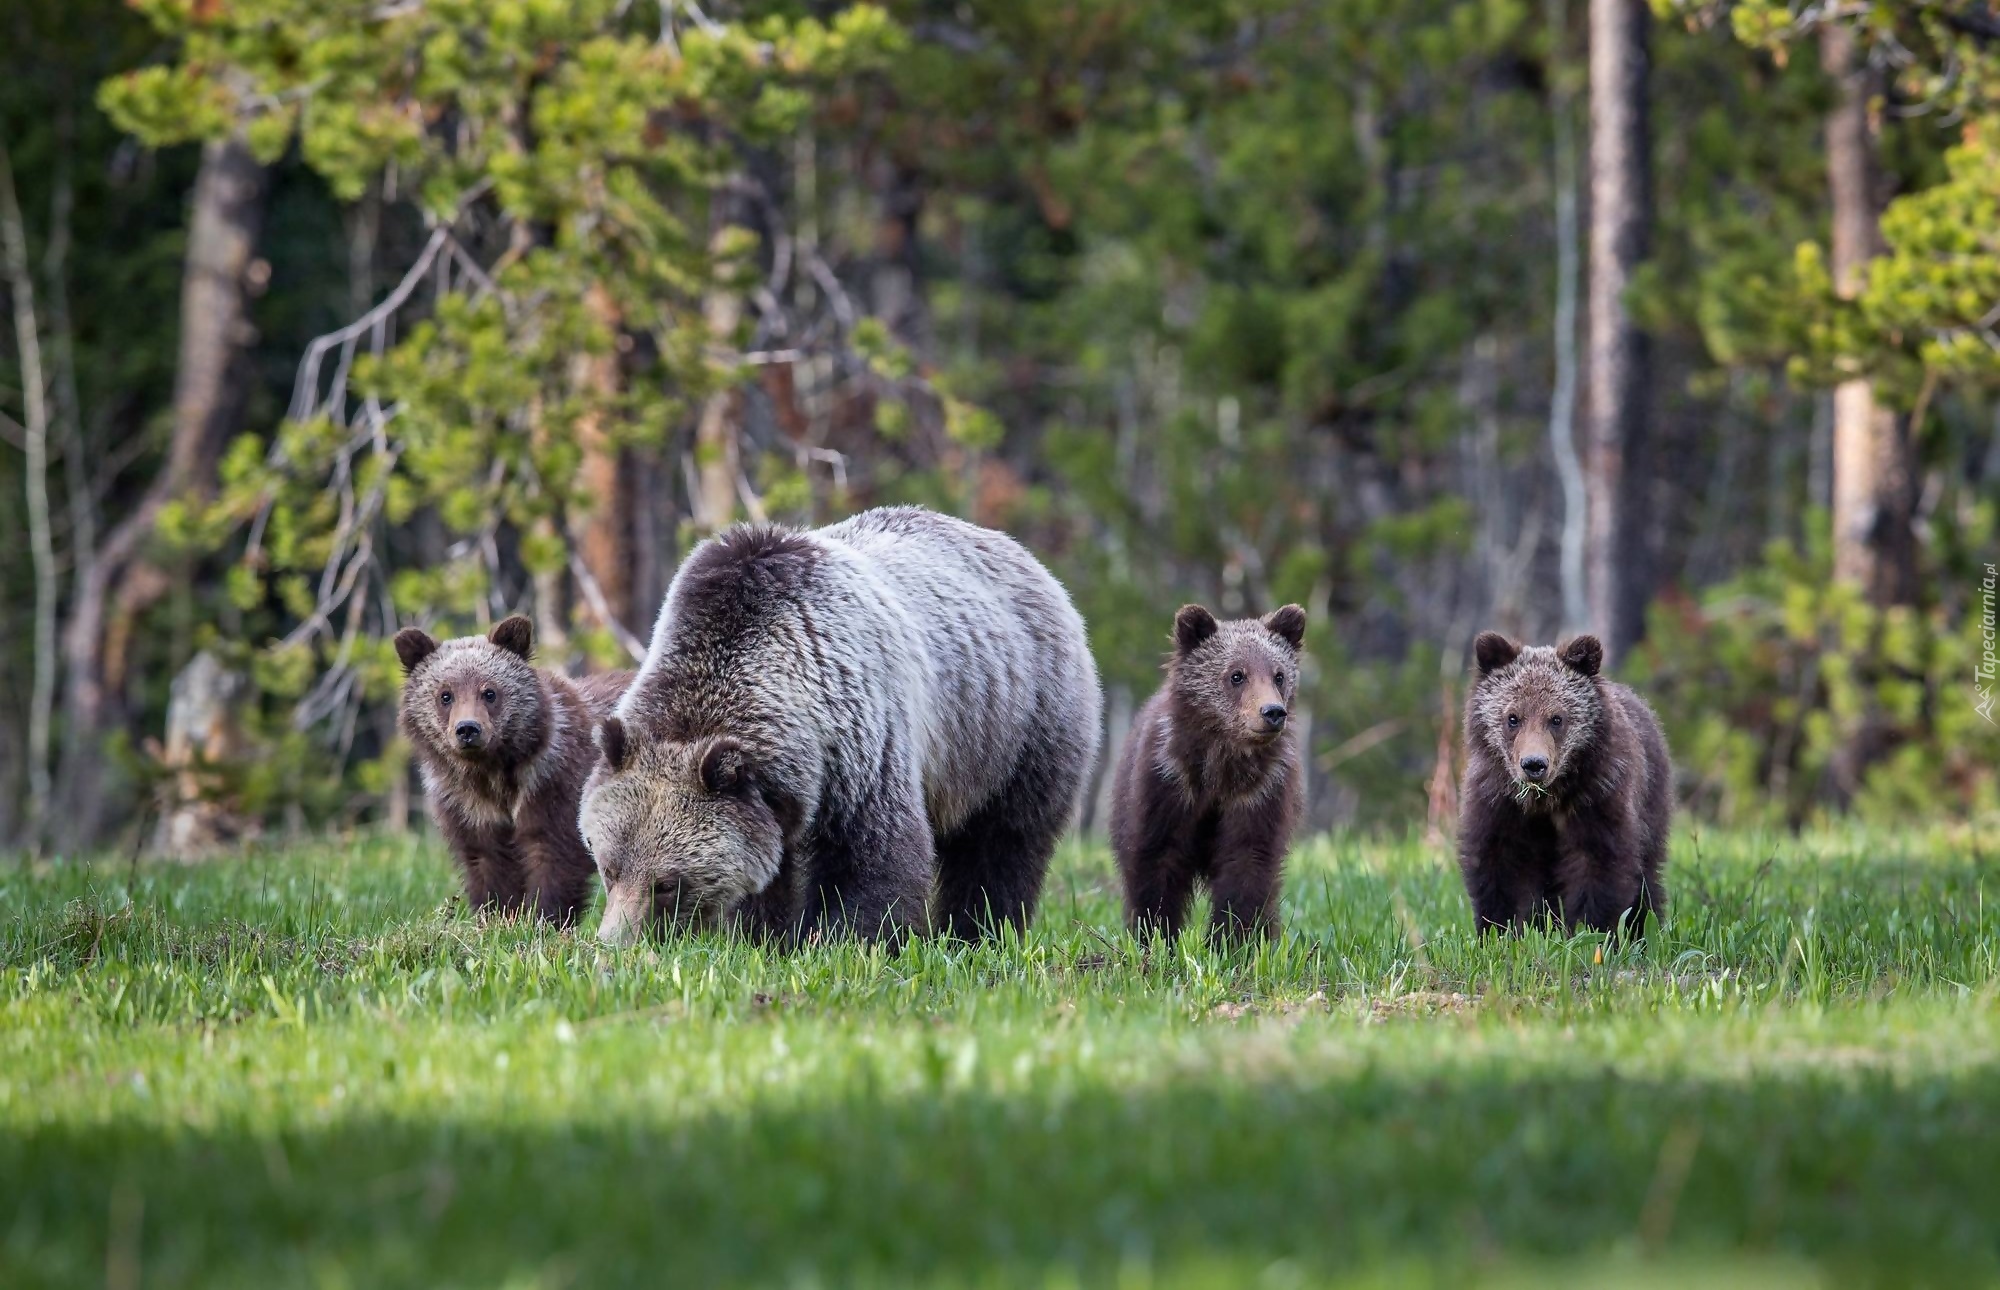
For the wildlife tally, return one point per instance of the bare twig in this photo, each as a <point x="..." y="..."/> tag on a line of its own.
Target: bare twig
<point x="837" y="460"/>
<point x="594" y="594"/>
<point x="836" y="295"/>
<point x="350" y="561"/>
<point x="1360" y="743"/>
<point x="305" y="392"/>
<point x="753" y="505"/>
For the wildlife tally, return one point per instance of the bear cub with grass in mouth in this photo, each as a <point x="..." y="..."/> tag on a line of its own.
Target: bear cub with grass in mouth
<point x="1567" y="794"/>
<point x="1207" y="786"/>
<point x="504" y="748"/>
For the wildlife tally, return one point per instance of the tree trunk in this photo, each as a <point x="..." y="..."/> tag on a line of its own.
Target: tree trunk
<point x="1616" y="393"/>
<point x="223" y="223"/>
<point x="1874" y="546"/>
<point x="1441" y="798"/>
<point x="1562" y="398"/>
<point x="603" y="535"/>
<point x="34" y="397"/>
<point x="654" y="526"/>
<point x="67" y="406"/>
<point x="204" y="741"/>
<point x="716" y="451"/>
<point x="1119" y="710"/>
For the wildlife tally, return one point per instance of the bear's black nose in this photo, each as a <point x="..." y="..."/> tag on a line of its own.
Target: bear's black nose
<point x="1534" y="766"/>
<point x="470" y="734"/>
<point x="1274" y="716"/>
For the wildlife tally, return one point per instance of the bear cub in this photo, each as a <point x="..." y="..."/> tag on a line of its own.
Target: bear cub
<point x="504" y="748"/>
<point x="1208" y="786"/>
<point x="1567" y="794"/>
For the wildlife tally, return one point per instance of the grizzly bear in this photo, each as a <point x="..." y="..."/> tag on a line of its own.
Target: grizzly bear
<point x="834" y="728"/>
<point x="1208" y="787"/>
<point x="1567" y="793"/>
<point x="504" y="748"/>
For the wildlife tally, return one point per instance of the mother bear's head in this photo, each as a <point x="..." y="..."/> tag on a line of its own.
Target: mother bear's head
<point x="683" y="832"/>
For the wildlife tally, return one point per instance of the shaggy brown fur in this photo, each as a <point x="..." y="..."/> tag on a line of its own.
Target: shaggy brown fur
<point x="1207" y="786"/>
<point x="504" y="749"/>
<point x="1568" y="792"/>
<point x="872" y="729"/>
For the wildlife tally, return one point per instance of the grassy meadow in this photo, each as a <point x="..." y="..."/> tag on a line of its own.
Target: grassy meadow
<point x="307" y="1067"/>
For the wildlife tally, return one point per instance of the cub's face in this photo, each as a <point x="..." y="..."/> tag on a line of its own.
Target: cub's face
<point x="1537" y="706"/>
<point x="474" y="698"/>
<point x="681" y="832"/>
<point x="1238" y="679"/>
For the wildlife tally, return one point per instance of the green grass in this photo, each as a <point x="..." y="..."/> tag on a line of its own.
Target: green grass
<point x="306" y="1067"/>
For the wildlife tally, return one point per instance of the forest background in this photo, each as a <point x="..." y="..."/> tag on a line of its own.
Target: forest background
<point x="1679" y="323"/>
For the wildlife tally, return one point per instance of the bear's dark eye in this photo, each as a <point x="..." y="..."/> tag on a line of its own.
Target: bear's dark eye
<point x="1512" y="721"/>
<point x="489" y="696"/>
<point x="1236" y="678"/>
<point x="1556" y="722"/>
<point x="1279" y="677"/>
<point x="444" y="699"/>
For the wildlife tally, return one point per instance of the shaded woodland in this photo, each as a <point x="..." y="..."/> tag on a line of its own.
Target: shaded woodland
<point x="1679" y="323"/>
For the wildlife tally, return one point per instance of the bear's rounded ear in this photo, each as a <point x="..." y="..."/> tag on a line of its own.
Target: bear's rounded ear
<point x="1585" y="654"/>
<point x="724" y="765"/>
<point x="1192" y="626"/>
<point x="611" y="742"/>
<point x="1288" y="624"/>
<point x="516" y="635"/>
<point x="413" y="646"/>
<point x="1493" y="651"/>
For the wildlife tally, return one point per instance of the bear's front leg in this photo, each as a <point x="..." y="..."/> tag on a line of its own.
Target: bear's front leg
<point x="556" y="873"/>
<point x="492" y="880"/>
<point x="1159" y="887"/>
<point x="776" y="914"/>
<point x="1158" y="859"/>
<point x="1504" y="858"/>
<point x="1248" y="870"/>
<point x="1597" y="876"/>
<point x="871" y="866"/>
<point x="502" y="877"/>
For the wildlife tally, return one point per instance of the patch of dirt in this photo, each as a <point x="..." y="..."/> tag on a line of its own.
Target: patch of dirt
<point x="1421" y="1003"/>
<point x="1283" y="1009"/>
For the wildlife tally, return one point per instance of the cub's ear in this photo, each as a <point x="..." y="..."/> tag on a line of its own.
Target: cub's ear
<point x="413" y="646"/>
<point x="611" y="742"/>
<point x="724" y="765"/>
<point x="1493" y="651"/>
<point x="1585" y="654"/>
<point x="1192" y="626"/>
<point x="1288" y="624"/>
<point x="516" y="635"/>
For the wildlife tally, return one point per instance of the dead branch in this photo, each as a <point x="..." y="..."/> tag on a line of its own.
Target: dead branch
<point x="594" y="595"/>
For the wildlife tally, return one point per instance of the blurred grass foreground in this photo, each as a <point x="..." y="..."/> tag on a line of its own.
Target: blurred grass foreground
<point x="310" y="1068"/>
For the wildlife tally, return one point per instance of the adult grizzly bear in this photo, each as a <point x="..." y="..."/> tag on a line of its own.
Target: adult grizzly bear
<point x="1207" y="786"/>
<point x="504" y="748"/>
<point x="832" y="727"/>
<point x="1567" y="794"/>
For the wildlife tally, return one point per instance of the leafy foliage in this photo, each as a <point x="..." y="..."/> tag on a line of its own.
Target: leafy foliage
<point x="574" y="170"/>
<point x="1782" y="689"/>
<point x="1240" y="301"/>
